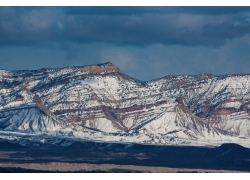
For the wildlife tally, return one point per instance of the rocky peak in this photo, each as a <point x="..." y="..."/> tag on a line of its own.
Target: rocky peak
<point x="100" y="68"/>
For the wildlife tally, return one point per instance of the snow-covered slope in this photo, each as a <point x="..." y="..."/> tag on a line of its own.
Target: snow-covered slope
<point x="99" y="102"/>
<point x="29" y="119"/>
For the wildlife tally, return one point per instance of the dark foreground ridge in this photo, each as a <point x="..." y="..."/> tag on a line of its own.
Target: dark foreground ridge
<point x="226" y="157"/>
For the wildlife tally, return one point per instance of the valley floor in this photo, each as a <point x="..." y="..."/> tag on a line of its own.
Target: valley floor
<point x="55" y="167"/>
<point x="85" y="156"/>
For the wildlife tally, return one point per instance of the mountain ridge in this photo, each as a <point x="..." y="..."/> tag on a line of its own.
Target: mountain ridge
<point x="102" y="103"/>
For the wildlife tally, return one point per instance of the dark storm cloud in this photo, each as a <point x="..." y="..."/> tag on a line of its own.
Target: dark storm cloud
<point x="123" y="25"/>
<point x="182" y="29"/>
<point x="138" y="10"/>
<point x="26" y="25"/>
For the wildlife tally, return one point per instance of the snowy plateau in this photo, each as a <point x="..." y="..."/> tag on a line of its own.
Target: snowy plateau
<point x="100" y="103"/>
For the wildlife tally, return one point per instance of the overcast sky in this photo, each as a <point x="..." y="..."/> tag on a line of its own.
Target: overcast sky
<point x="144" y="42"/>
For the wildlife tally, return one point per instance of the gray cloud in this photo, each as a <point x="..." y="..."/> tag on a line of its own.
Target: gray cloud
<point x="139" y="10"/>
<point x="144" y="42"/>
<point x="130" y="26"/>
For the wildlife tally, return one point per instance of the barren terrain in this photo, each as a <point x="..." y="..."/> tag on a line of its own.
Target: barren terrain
<point x="107" y="157"/>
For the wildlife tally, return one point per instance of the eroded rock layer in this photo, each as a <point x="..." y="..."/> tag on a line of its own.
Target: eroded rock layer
<point x="102" y="103"/>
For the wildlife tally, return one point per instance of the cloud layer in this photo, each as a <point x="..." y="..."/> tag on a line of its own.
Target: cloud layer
<point x="146" y="42"/>
<point x="188" y="26"/>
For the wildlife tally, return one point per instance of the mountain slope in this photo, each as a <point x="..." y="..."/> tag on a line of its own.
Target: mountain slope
<point x="99" y="102"/>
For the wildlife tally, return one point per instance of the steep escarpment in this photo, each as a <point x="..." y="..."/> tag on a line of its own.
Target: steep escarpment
<point x="101" y="103"/>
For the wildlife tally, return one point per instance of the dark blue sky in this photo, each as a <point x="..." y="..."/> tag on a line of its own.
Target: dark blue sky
<point x="144" y="42"/>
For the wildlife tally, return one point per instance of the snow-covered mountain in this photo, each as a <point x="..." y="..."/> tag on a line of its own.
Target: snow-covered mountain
<point x="99" y="102"/>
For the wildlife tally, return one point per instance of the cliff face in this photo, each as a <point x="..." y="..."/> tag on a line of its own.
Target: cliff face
<point x="103" y="68"/>
<point x="102" y="103"/>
